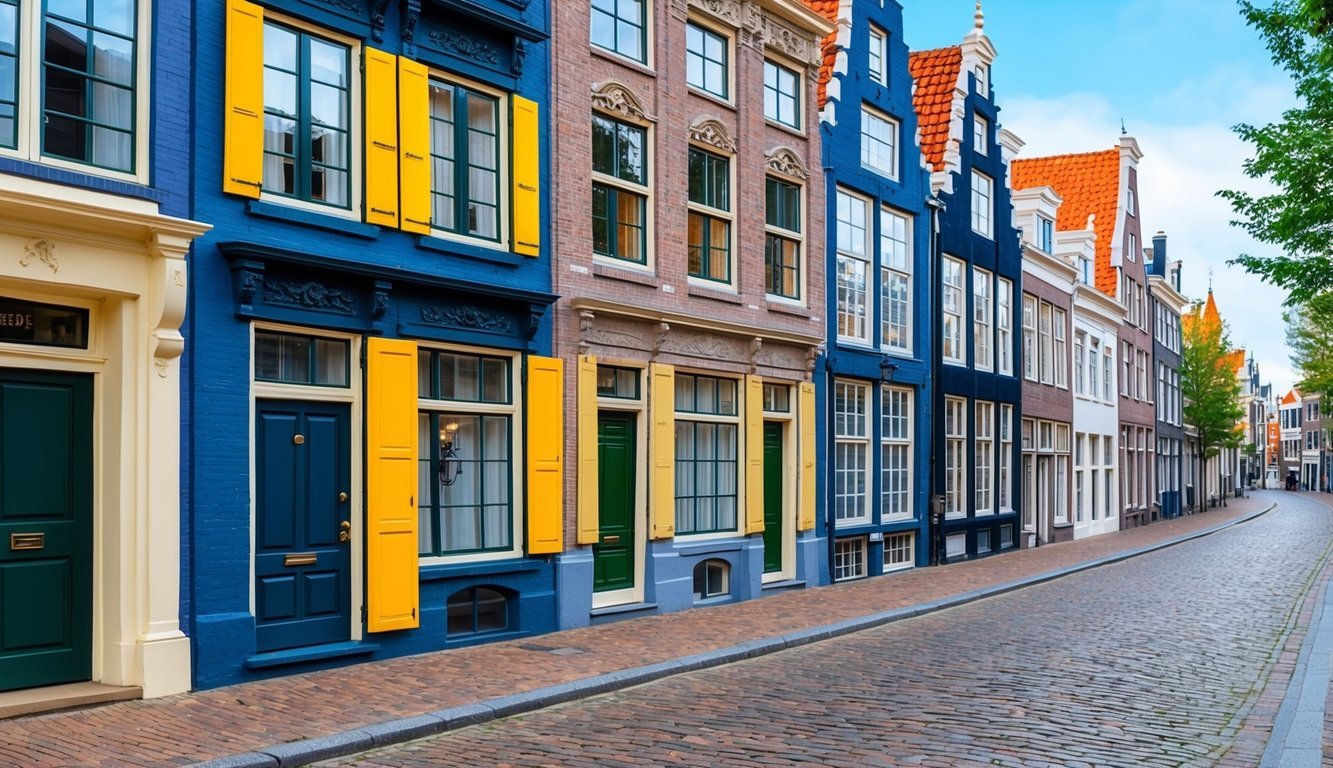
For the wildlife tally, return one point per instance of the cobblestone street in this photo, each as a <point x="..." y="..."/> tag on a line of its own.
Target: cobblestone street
<point x="1157" y="660"/>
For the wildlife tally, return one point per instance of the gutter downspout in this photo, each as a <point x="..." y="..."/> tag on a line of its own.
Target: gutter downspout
<point x="935" y="501"/>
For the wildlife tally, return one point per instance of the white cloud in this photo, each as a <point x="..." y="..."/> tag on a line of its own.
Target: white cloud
<point x="1182" y="169"/>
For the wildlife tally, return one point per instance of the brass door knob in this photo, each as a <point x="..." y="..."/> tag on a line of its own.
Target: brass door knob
<point x="342" y="496"/>
<point x="345" y="534"/>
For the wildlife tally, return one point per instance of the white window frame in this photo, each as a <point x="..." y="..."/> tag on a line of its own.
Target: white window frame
<point x="892" y="270"/>
<point x="1045" y="234"/>
<point x="899" y="551"/>
<point x="1004" y="321"/>
<point x="1004" y="487"/>
<point x="1029" y="337"/>
<point x="980" y="134"/>
<point x="981" y="75"/>
<point x="874" y="146"/>
<point x="851" y="437"/>
<point x="878" y="48"/>
<point x="849" y="558"/>
<point x="1058" y="318"/>
<point x="983" y="204"/>
<point x="1046" y="344"/>
<point x="952" y="335"/>
<point x="955" y="457"/>
<point x="983" y="471"/>
<point x="1080" y="372"/>
<point x="853" y="256"/>
<point x="896" y="430"/>
<point x="983" y="318"/>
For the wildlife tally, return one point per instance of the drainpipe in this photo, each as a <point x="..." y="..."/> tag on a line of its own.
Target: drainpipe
<point x="935" y="507"/>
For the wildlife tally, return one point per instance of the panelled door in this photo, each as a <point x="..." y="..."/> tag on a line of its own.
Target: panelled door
<point x="773" y="463"/>
<point x="46" y="528"/>
<point x="303" y="523"/>
<point x="613" y="554"/>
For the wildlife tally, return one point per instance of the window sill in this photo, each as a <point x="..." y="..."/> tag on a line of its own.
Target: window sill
<point x="626" y="274"/>
<point x="615" y="610"/>
<point x="622" y="60"/>
<point x="470" y="251"/>
<point x="791" y="129"/>
<point x="789" y="309"/>
<point x="708" y="548"/>
<point x="721" y="101"/>
<point x="704" y="292"/>
<point x="291" y="214"/>
<point x="445" y="571"/>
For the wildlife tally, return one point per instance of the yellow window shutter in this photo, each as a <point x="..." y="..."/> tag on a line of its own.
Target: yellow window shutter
<point x="589" y="489"/>
<point x="662" y="451"/>
<point x="392" y="580"/>
<point x="527" y="200"/>
<point x="243" y="140"/>
<point x="754" y="454"/>
<point x="546" y="450"/>
<point x="414" y="146"/>
<point x="806" y="415"/>
<point x="381" y="119"/>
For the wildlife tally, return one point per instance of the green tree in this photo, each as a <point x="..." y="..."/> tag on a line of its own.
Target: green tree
<point x="1310" y="339"/>
<point x="1294" y="155"/>
<point x="1211" y="391"/>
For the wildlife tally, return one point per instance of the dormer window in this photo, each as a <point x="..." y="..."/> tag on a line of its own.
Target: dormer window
<point x="1045" y="234"/>
<point x="981" y="74"/>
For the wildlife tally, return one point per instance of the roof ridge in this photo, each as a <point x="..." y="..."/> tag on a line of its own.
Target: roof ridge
<point x="1092" y="153"/>
<point x="941" y="49"/>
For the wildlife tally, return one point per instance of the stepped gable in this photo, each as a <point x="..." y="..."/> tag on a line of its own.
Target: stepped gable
<point x="1090" y="184"/>
<point x="935" y="74"/>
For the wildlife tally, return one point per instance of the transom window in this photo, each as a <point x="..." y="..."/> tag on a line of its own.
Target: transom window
<point x="782" y="94"/>
<point x="895" y="469"/>
<point x="307" y="116"/>
<point x="707" y="463"/>
<point x="851" y="433"/>
<point x="895" y="253"/>
<point x="709" y="219"/>
<point x="465" y="161"/>
<point x="706" y="60"/>
<point x="952" y="308"/>
<point x="621" y="26"/>
<point x="465" y="465"/>
<point x="879" y="142"/>
<point x="291" y="358"/>
<point x="618" y="382"/>
<point x="85" y="81"/>
<point x="782" y="244"/>
<point x="777" y="398"/>
<point x="878" y="56"/>
<point x="619" y="190"/>
<point x="983" y="196"/>
<point x="853" y="245"/>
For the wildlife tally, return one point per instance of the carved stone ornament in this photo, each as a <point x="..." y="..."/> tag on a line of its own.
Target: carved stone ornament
<point x="380" y="300"/>
<point x="785" y="161"/>
<point x="791" y="41"/>
<point x="250" y="284"/>
<point x="726" y="10"/>
<point x="467" y="47"/>
<point x="708" y="347"/>
<point x="520" y="51"/>
<point x="708" y="130"/>
<point x="467" y="317"/>
<point x="377" y="19"/>
<point x="617" y="98"/>
<point x="310" y="294"/>
<point x="42" y="250"/>
<point x="783" y="357"/>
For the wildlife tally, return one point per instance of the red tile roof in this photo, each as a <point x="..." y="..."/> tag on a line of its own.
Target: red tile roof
<point x="1089" y="184"/>
<point x="829" y="10"/>
<point x="935" y="73"/>
<point x="1290" y="397"/>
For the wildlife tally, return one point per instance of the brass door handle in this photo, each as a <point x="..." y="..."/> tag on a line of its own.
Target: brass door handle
<point x="345" y="532"/>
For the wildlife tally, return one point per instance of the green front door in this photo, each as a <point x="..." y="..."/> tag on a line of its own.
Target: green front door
<point x="772" y="496"/>
<point x="46" y="528"/>
<point x="613" y="554"/>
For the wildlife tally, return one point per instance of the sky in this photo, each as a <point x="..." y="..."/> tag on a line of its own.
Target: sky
<point x="1179" y="74"/>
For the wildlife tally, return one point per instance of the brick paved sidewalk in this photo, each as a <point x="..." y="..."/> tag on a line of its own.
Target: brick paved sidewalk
<point x="179" y="730"/>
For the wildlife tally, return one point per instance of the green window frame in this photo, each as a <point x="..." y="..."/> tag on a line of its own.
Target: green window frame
<point x="706" y="60"/>
<point x="709" y="230"/>
<point x="615" y="381"/>
<point x="89" y="58"/>
<point x="466" y="482"/>
<point x="782" y="244"/>
<point x="464" y="378"/>
<point x="293" y="358"/>
<point x="465" y="161"/>
<point x="621" y="26"/>
<point x="782" y="94"/>
<point x="307" y="117"/>
<point x="619" y="190"/>
<point x="11" y="47"/>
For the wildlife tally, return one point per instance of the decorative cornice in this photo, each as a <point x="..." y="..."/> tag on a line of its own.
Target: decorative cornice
<point x="464" y="316"/>
<point x="465" y="46"/>
<point x="785" y="161"/>
<point x="787" y="39"/>
<point x="310" y="294"/>
<point x="730" y="11"/>
<point x="617" y="98"/>
<point x="711" y="131"/>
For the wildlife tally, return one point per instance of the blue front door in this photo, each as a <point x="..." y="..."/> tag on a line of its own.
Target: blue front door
<point x="302" y="524"/>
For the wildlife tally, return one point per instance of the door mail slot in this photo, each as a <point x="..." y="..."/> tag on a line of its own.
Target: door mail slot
<point x="300" y="558"/>
<point x="611" y="539"/>
<point x="29" y="541"/>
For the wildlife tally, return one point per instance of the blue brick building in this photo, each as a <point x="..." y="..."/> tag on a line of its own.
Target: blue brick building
<point x="95" y="217"/>
<point x="875" y="392"/>
<point x="373" y="426"/>
<point x="978" y="397"/>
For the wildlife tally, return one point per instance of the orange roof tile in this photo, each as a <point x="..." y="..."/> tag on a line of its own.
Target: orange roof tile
<point x="1090" y="184"/>
<point x="935" y="73"/>
<point x="1236" y="359"/>
<point x="1290" y="398"/>
<point x="829" y="10"/>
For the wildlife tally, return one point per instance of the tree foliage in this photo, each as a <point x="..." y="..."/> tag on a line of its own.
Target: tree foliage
<point x="1295" y="154"/>
<point x="1209" y="387"/>
<point x="1310" y="339"/>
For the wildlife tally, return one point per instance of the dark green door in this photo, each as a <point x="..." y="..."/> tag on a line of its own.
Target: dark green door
<point x="613" y="554"/>
<point x="46" y="528"/>
<point x="302" y="524"/>
<point x="772" y="497"/>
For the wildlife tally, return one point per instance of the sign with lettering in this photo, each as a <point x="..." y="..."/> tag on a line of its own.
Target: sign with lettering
<point x="29" y="322"/>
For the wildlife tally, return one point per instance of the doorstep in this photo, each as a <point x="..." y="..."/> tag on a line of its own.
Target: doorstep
<point x="32" y="701"/>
